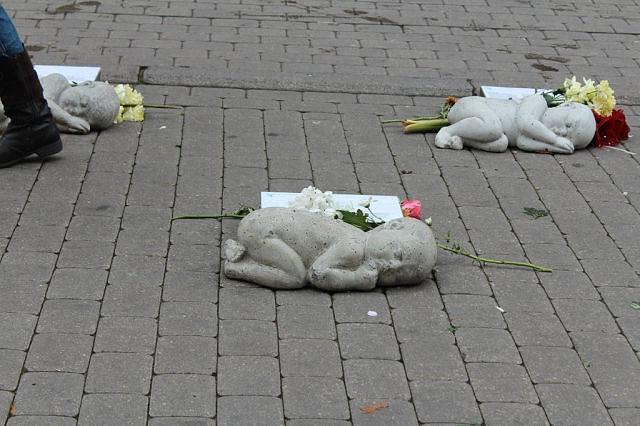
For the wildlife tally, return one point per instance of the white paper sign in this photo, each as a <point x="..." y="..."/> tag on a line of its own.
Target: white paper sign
<point x="385" y="207"/>
<point x="514" y="93"/>
<point x="74" y="74"/>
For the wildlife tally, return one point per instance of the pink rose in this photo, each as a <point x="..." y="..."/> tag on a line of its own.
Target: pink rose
<point x="411" y="208"/>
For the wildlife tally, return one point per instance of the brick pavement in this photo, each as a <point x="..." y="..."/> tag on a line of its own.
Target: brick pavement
<point x="111" y="314"/>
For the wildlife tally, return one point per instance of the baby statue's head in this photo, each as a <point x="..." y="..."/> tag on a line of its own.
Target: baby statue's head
<point x="402" y="250"/>
<point x="573" y="121"/>
<point x="95" y="101"/>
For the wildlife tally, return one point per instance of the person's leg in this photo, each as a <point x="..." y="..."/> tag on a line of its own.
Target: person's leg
<point x="32" y="129"/>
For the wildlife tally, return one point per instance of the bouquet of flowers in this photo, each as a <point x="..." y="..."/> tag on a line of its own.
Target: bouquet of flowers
<point x="611" y="124"/>
<point x="131" y="106"/>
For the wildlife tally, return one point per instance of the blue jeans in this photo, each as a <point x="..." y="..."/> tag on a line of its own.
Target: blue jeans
<point x="10" y="43"/>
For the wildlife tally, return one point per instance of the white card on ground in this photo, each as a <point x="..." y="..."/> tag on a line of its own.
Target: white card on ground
<point x="74" y="74"/>
<point x="386" y="207"/>
<point x="514" y="93"/>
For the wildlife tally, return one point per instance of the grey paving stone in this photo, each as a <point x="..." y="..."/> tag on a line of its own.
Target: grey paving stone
<point x="250" y="410"/>
<point x="487" y="345"/>
<point x="614" y="274"/>
<point x="499" y="413"/>
<point x="631" y="329"/>
<point x="16" y="330"/>
<point x="424" y="295"/>
<point x="496" y="382"/>
<point x="248" y="375"/>
<point x="457" y="279"/>
<point x="10" y="368"/>
<point x="310" y="358"/>
<point x="573" y="404"/>
<point x="21" y="297"/>
<point x="49" y="394"/>
<point x="188" y="395"/>
<point x="568" y="285"/>
<point x="522" y="297"/>
<point x="248" y="337"/>
<point x="620" y="391"/>
<point x="86" y="254"/>
<point x="314" y="398"/>
<point x="303" y="297"/>
<point x="445" y="402"/>
<point x="537" y="329"/>
<point x="113" y="409"/>
<point x="93" y="228"/>
<point x="624" y="416"/>
<point x="375" y="379"/>
<point x="376" y="341"/>
<point x="5" y="404"/>
<point x="188" y="319"/>
<point x="41" y="421"/>
<point x="473" y="311"/>
<point x="554" y="365"/>
<point x="247" y="303"/>
<point x="134" y="270"/>
<point x="298" y="321"/>
<point x="186" y="354"/>
<point x="131" y="300"/>
<point x="433" y="359"/>
<point x="355" y="307"/>
<point x="74" y="283"/>
<point x="59" y="352"/>
<point x="619" y="300"/>
<point x="317" y="422"/>
<point x="68" y="316"/>
<point x="123" y="373"/>
<point x="126" y="334"/>
<point x="181" y="421"/>
<point x="420" y="324"/>
<point x="190" y="287"/>
<point x="585" y="315"/>
<point x="394" y="412"/>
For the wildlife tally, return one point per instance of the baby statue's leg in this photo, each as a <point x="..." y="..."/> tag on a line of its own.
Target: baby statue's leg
<point x="274" y="265"/>
<point x="475" y="125"/>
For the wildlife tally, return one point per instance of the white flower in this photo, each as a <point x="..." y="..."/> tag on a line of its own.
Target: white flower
<point x="428" y="221"/>
<point x="366" y="203"/>
<point x="315" y="201"/>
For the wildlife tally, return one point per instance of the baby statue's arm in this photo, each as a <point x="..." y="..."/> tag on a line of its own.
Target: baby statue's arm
<point x="67" y="122"/>
<point x="342" y="267"/>
<point x="528" y="116"/>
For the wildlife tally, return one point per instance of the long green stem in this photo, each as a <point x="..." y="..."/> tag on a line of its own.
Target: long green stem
<point x="218" y="216"/>
<point x="463" y="252"/>
<point x="400" y="120"/>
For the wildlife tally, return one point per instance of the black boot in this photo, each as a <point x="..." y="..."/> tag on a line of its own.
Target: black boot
<point x="32" y="129"/>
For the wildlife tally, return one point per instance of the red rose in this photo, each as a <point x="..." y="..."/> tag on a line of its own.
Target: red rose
<point x="612" y="129"/>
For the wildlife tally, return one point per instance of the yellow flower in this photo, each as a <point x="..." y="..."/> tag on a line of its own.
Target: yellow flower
<point x="119" y="118"/>
<point x="127" y="95"/>
<point x="135" y="113"/>
<point x="603" y="103"/>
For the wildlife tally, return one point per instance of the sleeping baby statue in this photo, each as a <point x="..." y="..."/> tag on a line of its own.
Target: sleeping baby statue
<point x="78" y="108"/>
<point x="285" y="248"/>
<point x="495" y="124"/>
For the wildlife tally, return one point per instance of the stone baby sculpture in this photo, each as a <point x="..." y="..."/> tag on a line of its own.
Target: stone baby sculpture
<point x="77" y="109"/>
<point x="495" y="124"/>
<point x="287" y="249"/>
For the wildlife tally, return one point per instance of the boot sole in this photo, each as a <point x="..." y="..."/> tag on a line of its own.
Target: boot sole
<point x="43" y="152"/>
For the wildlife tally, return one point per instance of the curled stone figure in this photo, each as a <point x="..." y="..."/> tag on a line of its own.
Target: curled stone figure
<point x="495" y="124"/>
<point x="78" y="108"/>
<point x="287" y="249"/>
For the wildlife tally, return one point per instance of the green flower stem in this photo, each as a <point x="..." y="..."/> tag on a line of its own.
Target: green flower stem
<point x="424" y="126"/>
<point x="159" y="106"/>
<point x="400" y="120"/>
<point x="218" y="216"/>
<point x="463" y="252"/>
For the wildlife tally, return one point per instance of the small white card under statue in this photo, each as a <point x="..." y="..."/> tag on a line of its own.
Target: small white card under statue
<point x="385" y="207"/>
<point x="514" y="93"/>
<point x="73" y="74"/>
